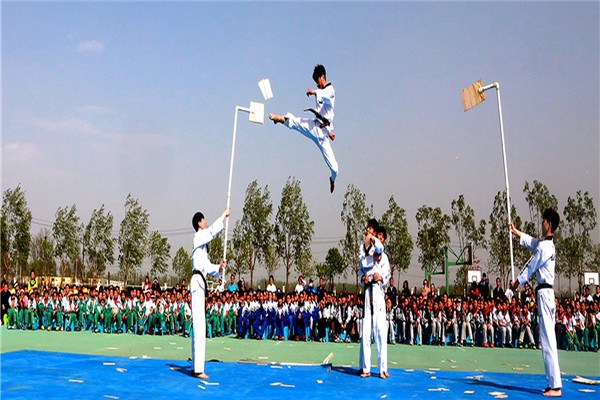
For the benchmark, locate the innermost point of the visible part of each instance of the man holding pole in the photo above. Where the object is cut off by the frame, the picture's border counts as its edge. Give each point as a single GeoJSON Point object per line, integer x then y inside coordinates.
{"type": "Point", "coordinates": [201, 266]}
{"type": "Point", "coordinates": [542, 263]}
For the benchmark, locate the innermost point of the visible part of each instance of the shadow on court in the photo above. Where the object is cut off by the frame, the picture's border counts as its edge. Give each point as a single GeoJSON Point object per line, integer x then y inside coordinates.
{"type": "Point", "coordinates": [35, 374]}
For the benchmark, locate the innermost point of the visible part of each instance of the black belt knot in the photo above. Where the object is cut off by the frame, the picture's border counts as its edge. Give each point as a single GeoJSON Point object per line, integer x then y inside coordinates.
{"type": "Point", "coordinates": [543, 286]}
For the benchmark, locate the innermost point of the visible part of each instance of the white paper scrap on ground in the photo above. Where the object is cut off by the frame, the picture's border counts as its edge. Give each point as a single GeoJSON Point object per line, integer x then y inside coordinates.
{"type": "Point", "coordinates": [201, 387]}
{"type": "Point", "coordinates": [157, 348]}
{"type": "Point", "coordinates": [440, 389]}
{"type": "Point", "coordinates": [587, 390]}
{"type": "Point", "coordinates": [496, 393]}
{"type": "Point", "coordinates": [76, 380]}
{"type": "Point", "coordinates": [210, 383]}
{"type": "Point", "coordinates": [263, 358]}
{"type": "Point", "coordinates": [320, 382]}
{"type": "Point", "coordinates": [108, 363]}
{"type": "Point", "coordinates": [108, 396]}
{"type": "Point", "coordinates": [383, 396]}
{"type": "Point", "coordinates": [121, 369]}
{"type": "Point", "coordinates": [469, 391]}
{"type": "Point", "coordinates": [112, 348]}
{"type": "Point", "coordinates": [585, 381]}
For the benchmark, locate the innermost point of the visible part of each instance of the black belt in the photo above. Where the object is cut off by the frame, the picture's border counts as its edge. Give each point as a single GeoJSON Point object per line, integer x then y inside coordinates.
{"type": "Point", "coordinates": [197, 272]}
{"type": "Point", "coordinates": [543, 286]}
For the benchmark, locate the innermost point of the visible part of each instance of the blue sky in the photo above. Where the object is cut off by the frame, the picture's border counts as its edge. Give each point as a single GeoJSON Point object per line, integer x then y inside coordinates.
{"type": "Point", "coordinates": [104, 99]}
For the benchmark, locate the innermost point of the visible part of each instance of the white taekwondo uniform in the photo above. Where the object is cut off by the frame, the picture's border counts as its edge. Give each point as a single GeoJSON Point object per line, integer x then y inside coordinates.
{"type": "Point", "coordinates": [201, 266]}
{"type": "Point", "coordinates": [542, 263]}
{"type": "Point", "coordinates": [310, 127]}
{"type": "Point", "coordinates": [374, 322]}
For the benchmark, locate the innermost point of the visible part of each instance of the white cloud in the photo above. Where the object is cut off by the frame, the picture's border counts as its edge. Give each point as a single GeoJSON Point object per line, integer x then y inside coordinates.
{"type": "Point", "coordinates": [68, 125]}
{"type": "Point", "coordinates": [91, 109]}
{"type": "Point", "coordinates": [90, 46]}
{"type": "Point", "coordinates": [20, 153]}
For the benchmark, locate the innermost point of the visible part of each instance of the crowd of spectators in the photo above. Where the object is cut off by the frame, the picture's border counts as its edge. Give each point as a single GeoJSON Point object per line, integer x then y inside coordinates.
{"type": "Point", "coordinates": [487, 317]}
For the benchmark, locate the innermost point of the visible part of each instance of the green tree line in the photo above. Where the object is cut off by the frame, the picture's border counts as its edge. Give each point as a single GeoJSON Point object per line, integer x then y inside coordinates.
{"type": "Point", "coordinates": [266, 239]}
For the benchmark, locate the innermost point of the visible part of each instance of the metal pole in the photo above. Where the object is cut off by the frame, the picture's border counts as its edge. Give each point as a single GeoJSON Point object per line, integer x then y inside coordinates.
{"type": "Point", "coordinates": [512, 265]}
{"type": "Point", "coordinates": [237, 108]}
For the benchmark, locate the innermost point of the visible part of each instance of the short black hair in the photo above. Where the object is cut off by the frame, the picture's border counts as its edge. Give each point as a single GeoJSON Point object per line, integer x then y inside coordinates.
{"type": "Point", "coordinates": [196, 219]}
{"type": "Point", "coordinates": [373, 224]}
{"type": "Point", "coordinates": [382, 230]}
{"type": "Point", "coordinates": [318, 71]}
{"type": "Point", "coordinates": [552, 217]}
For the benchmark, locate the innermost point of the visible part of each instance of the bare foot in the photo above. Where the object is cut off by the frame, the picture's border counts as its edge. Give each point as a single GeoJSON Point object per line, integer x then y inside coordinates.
{"type": "Point", "coordinates": [200, 375]}
{"type": "Point", "coordinates": [552, 393]}
{"type": "Point", "coordinates": [277, 119]}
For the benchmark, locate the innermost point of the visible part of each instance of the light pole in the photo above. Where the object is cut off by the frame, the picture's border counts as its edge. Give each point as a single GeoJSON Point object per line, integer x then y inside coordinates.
{"type": "Point", "coordinates": [471, 96]}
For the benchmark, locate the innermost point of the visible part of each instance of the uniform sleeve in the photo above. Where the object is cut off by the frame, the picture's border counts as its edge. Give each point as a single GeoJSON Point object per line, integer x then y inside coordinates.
{"type": "Point", "coordinates": [531, 267]}
{"type": "Point", "coordinates": [528, 242]}
{"type": "Point", "coordinates": [386, 273]}
{"type": "Point", "coordinates": [206, 235]}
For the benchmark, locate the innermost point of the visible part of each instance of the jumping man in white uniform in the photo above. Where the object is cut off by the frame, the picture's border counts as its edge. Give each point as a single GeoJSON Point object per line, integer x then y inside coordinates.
{"type": "Point", "coordinates": [319, 129]}
{"type": "Point", "coordinates": [201, 266]}
{"type": "Point", "coordinates": [542, 263]}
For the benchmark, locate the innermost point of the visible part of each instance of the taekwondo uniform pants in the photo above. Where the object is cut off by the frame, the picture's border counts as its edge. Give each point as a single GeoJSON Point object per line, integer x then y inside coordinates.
{"type": "Point", "coordinates": [309, 128]}
{"type": "Point", "coordinates": [198, 324]}
{"type": "Point", "coordinates": [546, 319]}
{"type": "Point", "coordinates": [374, 324]}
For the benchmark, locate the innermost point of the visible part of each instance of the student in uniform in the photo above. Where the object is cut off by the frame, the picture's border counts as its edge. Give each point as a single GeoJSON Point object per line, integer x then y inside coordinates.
{"type": "Point", "coordinates": [320, 128]}
{"type": "Point", "coordinates": [202, 266]}
{"type": "Point", "coordinates": [542, 263]}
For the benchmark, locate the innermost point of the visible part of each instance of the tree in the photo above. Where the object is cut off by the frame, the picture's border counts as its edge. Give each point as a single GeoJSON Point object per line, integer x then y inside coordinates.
{"type": "Point", "coordinates": [354, 215]}
{"type": "Point", "coordinates": [399, 244]}
{"type": "Point", "coordinates": [256, 227]}
{"type": "Point", "coordinates": [293, 229]}
{"type": "Point", "coordinates": [133, 235]}
{"type": "Point", "coordinates": [467, 231]}
{"type": "Point", "coordinates": [215, 248]}
{"type": "Point", "coordinates": [432, 237]}
{"type": "Point", "coordinates": [538, 198]}
{"type": "Point", "coordinates": [498, 245]}
{"type": "Point", "coordinates": [240, 256]}
{"type": "Point", "coordinates": [182, 264]}
{"type": "Point", "coordinates": [333, 265]}
{"type": "Point", "coordinates": [580, 219]}
{"type": "Point", "coordinates": [66, 231]}
{"type": "Point", "coordinates": [98, 242]}
{"type": "Point", "coordinates": [42, 253]}
{"type": "Point", "coordinates": [271, 258]}
{"type": "Point", "coordinates": [15, 227]}
{"type": "Point", "coordinates": [159, 251]}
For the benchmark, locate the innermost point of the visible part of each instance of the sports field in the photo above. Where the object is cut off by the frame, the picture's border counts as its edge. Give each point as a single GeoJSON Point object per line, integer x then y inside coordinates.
{"type": "Point", "coordinates": [88, 365]}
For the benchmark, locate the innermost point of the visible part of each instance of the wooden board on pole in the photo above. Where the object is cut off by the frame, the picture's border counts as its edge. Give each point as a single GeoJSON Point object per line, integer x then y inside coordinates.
{"type": "Point", "coordinates": [471, 96]}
